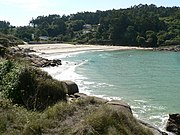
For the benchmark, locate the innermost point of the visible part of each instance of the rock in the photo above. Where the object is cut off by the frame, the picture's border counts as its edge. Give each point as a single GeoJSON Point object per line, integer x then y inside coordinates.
{"type": "Point", "coordinates": [169, 48]}
{"type": "Point", "coordinates": [155, 130]}
{"type": "Point", "coordinates": [100, 100]}
{"type": "Point", "coordinates": [57, 61]}
{"type": "Point", "coordinates": [79, 95]}
{"type": "Point", "coordinates": [33, 59]}
{"type": "Point", "coordinates": [46, 62]}
{"type": "Point", "coordinates": [119, 105]}
{"type": "Point", "coordinates": [70, 87]}
{"type": "Point", "coordinates": [173, 124]}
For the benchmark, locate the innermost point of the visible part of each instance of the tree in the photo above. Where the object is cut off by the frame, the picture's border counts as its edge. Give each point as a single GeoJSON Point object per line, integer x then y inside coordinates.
{"type": "Point", "coordinates": [130, 35]}
{"type": "Point", "coordinates": [141, 41]}
{"type": "Point", "coordinates": [4, 27]}
{"type": "Point", "coordinates": [151, 39]}
{"type": "Point", "coordinates": [77, 25]}
{"type": "Point", "coordinates": [118, 28]}
{"type": "Point", "coordinates": [25, 33]}
{"type": "Point", "coordinates": [141, 24]}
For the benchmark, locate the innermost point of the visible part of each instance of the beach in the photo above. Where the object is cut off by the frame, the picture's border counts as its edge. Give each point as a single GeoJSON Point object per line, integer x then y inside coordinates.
{"type": "Point", "coordinates": [67, 48]}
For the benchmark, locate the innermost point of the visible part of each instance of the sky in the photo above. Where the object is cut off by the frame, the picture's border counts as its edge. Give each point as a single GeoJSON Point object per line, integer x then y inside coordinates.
{"type": "Point", "coordinates": [20, 12]}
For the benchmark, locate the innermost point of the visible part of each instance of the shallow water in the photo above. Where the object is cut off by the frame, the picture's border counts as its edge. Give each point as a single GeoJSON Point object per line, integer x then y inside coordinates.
{"type": "Point", "coordinates": [149, 81]}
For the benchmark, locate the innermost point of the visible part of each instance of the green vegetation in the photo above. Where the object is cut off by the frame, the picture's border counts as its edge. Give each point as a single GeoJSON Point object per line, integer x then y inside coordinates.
{"type": "Point", "coordinates": [31, 103]}
{"type": "Point", "coordinates": [106, 121]}
{"type": "Point", "coordinates": [28, 86]}
{"type": "Point", "coordinates": [68, 119]}
{"type": "Point", "coordinates": [141, 25]}
{"type": "Point", "coordinates": [9, 40]}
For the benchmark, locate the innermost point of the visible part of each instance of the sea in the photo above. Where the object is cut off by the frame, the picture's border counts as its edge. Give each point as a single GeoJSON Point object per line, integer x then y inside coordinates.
{"type": "Point", "coordinates": [149, 81]}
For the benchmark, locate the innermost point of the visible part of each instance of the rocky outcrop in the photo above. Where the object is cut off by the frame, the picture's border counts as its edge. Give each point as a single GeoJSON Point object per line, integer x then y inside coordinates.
{"type": "Point", "coordinates": [155, 130]}
{"type": "Point", "coordinates": [70, 87]}
{"type": "Point", "coordinates": [169, 48]}
{"type": "Point", "coordinates": [33, 59]}
{"type": "Point", "coordinates": [173, 124]}
{"type": "Point", "coordinates": [119, 105]}
{"type": "Point", "coordinates": [124, 107]}
{"type": "Point", "coordinates": [76, 96]}
{"type": "Point", "coordinates": [42, 62]}
{"type": "Point", "coordinates": [116, 105]}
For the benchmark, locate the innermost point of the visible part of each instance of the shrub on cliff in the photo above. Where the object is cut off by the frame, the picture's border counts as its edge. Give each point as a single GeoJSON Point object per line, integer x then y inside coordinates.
{"type": "Point", "coordinates": [89, 117]}
{"type": "Point", "coordinates": [106, 121]}
{"type": "Point", "coordinates": [29, 86]}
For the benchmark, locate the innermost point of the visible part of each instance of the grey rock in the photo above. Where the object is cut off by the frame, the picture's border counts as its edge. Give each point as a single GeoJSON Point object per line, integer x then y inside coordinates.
{"type": "Point", "coordinates": [173, 124]}
{"type": "Point", "coordinates": [119, 105]}
{"type": "Point", "coordinates": [70, 87]}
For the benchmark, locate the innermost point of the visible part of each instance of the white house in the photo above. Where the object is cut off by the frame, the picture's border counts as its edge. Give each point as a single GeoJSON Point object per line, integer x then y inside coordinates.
{"type": "Point", "coordinates": [43, 37]}
{"type": "Point", "coordinates": [87, 26]}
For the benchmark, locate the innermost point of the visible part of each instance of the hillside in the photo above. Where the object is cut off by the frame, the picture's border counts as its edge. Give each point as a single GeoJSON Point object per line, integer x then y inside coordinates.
{"type": "Point", "coordinates": [141, 25]}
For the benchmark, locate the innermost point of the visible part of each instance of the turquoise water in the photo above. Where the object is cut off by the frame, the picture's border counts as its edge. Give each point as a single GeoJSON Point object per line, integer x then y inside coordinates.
{"type": "Point", "coordinates": [149, 81]}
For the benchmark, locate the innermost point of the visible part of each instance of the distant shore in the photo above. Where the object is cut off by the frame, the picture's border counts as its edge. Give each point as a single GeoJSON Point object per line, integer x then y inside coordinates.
{"type": "Point", "coordinates": [66, 48]}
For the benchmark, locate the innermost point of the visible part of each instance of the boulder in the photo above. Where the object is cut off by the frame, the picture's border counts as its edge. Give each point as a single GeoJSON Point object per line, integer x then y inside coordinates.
{"type": "Point", "coordinates": [70, 87]}
{"type": "Point", "coordinates": [119, 105]}
{"type": "Point", "coordinates": [80, 95]}
{"type": "Point", "coordinates": [100, 100]}
{"type": "Point", "coordinates": [173, 124]}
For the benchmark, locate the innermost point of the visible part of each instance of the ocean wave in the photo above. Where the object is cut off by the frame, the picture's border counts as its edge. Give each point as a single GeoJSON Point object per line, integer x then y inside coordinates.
{"type": "Point", "coordinates": [153, 114]}
{"type": "Point", "coordinates": [60, 55]}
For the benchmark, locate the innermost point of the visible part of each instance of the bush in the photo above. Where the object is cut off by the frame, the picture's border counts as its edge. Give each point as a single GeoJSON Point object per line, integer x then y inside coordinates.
{"type": "Point", "coordinates": [106, 121]}
{"type": "Point", "coordinates": [29, 86]}
{"type": "Point", "coordinates": [16, 120]}
{"type": "Point", "coordinates": [175, 41]}
{"type": "Point", "coordinates": [9, 79]}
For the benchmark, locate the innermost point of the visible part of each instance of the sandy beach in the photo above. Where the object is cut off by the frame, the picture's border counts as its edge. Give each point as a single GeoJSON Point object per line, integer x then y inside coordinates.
{"type": "Point", "coordinates": [66, 48]}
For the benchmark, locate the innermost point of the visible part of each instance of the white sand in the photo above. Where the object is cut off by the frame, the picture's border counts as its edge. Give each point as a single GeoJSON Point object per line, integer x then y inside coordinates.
{"type": "Point", "coordinates": [66, 48]}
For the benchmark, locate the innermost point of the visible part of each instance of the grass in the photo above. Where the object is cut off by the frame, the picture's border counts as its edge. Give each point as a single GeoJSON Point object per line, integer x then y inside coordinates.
{"type": "Point", "coordinates": [105, 121]}
{"type": "Point", "coordinates": [87, 118]}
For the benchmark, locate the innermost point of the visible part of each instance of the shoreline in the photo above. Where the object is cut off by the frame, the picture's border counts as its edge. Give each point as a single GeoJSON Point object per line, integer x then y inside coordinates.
{"type": "Point", "coordinates": [68, 48]}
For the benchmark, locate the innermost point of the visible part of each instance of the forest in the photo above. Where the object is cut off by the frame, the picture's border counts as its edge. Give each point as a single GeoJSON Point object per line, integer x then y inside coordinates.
{"type": "Point", "coordinates": [139, 25]}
